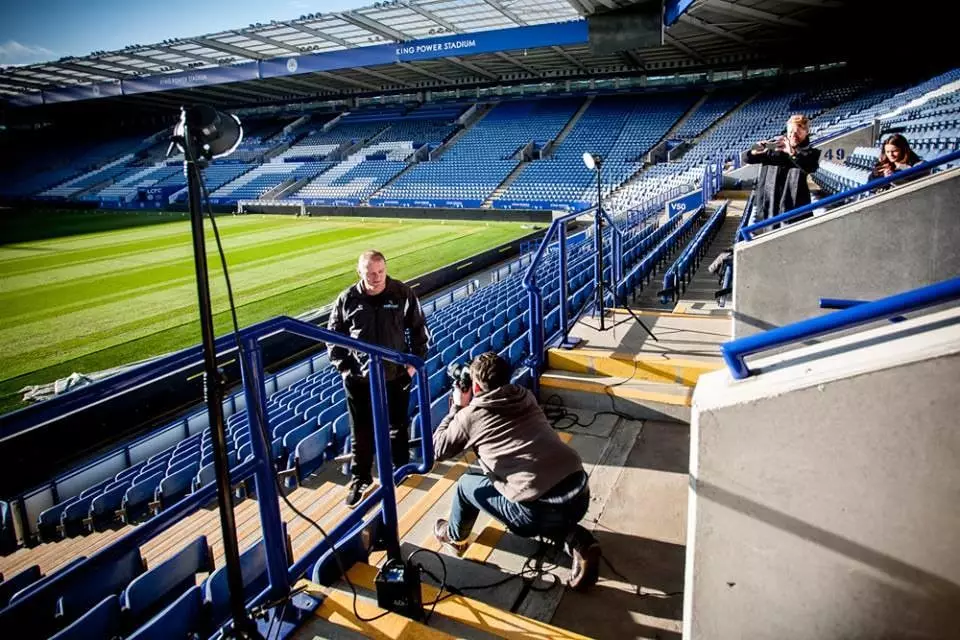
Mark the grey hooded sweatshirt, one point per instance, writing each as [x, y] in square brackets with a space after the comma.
[516, 446]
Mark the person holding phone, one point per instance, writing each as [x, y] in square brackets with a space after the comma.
[786, 162]
[896, 155]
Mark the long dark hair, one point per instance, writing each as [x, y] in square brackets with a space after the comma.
[901, 144]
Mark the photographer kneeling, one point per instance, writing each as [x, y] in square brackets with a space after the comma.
[532, 482]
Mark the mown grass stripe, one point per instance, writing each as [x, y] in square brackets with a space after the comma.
[129, 293]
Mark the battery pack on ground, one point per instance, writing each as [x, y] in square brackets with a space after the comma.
[398, 589]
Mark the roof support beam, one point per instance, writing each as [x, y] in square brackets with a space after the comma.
[381, 76]
[196, 57]
[517, 63]
[633, 60]
[714, 29]
[506, 12]
[270, 41]
[316, 33]
[765, 16]
[21, 81]
[123, 66]
[371, 25]
[823, 4]
[424, 72]
[345, 80]
[227, 48]
[156, 61]
[302, 81]
[569, 58]
[583, 7]
[103, 73]
[471, 67]
[673, 42]
[449, 26]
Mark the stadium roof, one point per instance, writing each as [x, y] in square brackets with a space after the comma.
[709, 34]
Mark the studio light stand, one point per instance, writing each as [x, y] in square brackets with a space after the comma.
[203, 133]
[594, 163]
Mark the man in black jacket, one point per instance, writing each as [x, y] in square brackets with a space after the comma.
[382, 311]
[786, 162]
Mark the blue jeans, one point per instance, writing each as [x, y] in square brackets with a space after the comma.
[475, 492]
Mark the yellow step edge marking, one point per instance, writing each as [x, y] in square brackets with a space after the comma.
[474, 613]
[676, 314]
[409, 519]
[682, 400]
[623, 365]
[337, 608]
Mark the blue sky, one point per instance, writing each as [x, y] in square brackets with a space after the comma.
[40, 30]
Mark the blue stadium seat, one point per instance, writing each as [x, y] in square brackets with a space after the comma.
[291, 440]
[103, 621]
[104, 508]
[18, 582]
[330, 414]
[481, 347]
[498, 339]
[184, 618]
[449, 354]
[208, 474]
[137, 499]
[438, 382]
[439, 408]
[341, 429]
[310, 452]
[253, 568]
[176, 485]
[48, 522]
[150, 593]
[71, 520]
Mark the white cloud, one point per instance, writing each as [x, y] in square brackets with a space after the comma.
[15, 53]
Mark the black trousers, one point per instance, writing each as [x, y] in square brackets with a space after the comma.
[360, 410]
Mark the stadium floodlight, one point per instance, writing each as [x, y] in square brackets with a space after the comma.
[592, 161]
[203, 133]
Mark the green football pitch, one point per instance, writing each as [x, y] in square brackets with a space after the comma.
[85, 291]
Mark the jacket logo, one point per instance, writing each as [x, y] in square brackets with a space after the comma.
[391, 305]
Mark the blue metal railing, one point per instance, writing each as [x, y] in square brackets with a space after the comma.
[675, 277]
[735, 351]
[746, 233]
[712, 182]
[747, 216]
[279, 571]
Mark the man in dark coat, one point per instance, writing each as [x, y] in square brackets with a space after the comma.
[386, 312]
[786, 162]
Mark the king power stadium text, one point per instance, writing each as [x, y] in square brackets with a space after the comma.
[445, 46]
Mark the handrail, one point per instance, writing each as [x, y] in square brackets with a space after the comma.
[746, 233]
[735, 351]
[280, 574]
[747, 215]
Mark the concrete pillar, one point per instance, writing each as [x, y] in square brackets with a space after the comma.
[824, 492]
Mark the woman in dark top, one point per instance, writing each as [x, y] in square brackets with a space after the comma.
[896, 155]
[787, 161]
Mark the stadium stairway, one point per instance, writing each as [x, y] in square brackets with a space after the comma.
[632, 465]
[623, 369]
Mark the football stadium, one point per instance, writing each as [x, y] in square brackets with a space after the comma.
[485, 318]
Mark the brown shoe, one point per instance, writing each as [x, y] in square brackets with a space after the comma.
[586, 566]
[441, 531]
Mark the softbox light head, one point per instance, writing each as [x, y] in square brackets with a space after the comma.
[592, 160]
[210, 133]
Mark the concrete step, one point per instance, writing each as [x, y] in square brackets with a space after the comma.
[662, 368]
[641, 399]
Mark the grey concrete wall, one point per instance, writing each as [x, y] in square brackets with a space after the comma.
[840, 148]
[898, 240]
[824, 493]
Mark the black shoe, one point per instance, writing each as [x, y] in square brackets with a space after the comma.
[357, 490]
